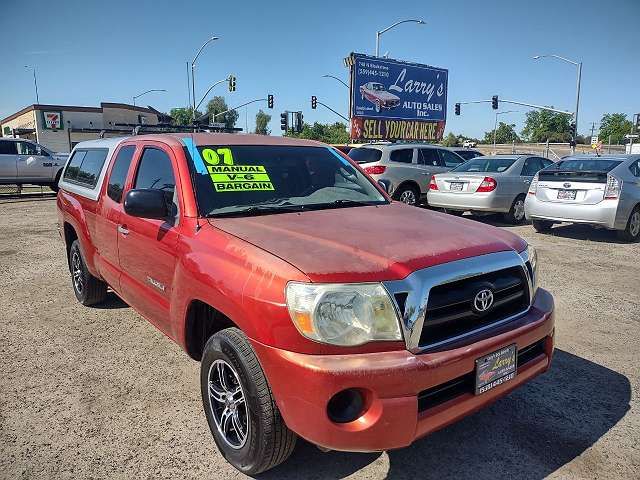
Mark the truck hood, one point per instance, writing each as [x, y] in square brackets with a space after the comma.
[372, 243]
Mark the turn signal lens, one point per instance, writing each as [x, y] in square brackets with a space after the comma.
[432, 184]
[613, 188]
[488, 185]
[375, 169]
[533, 186]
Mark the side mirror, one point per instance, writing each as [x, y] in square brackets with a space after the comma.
[385, 184]
[146, 203]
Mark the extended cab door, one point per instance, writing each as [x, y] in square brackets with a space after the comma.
[34, 164]
[108, 220]
[147, 247]
[8, 160]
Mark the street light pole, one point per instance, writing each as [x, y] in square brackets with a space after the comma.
[579, 66]
[411, 20]
[335, 78]
[148, 91]
[193, 81]
[35, 82]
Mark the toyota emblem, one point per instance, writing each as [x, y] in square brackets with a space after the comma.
[566, 185]
[483, 300]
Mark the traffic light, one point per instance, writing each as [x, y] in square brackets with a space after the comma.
[494, 102]
[457, 109]
[314, 102]
[270, 101]
[572, 129]
[284, 121]
[299, 123]
[637, 122]
[232, 83]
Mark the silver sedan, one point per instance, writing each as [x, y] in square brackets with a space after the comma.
[487, 184]
[602, 191]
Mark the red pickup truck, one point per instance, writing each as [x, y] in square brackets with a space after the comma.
[316, 306]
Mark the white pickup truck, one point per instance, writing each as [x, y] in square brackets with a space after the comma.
[23, 161]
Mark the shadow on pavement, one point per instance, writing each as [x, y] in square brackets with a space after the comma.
[112, 302]
[528, 434]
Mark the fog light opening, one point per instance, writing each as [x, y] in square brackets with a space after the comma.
[346, 406]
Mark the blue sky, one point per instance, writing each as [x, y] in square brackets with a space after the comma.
[89, 51]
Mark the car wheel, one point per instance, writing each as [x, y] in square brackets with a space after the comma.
[54, 185]
[632, 232]
[408, 195]
[515, 216]
[542, 226]
[361, 94]
[88, 289]
[240, 409]
[378, 106]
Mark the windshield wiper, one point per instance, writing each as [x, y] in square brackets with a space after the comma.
[256, 210]
[342, 203]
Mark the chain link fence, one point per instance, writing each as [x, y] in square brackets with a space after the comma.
[12, 191]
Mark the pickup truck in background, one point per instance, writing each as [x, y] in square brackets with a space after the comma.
[23, 161]
[316, 306]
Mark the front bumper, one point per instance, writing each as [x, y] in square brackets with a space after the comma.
[603, 213]
[303, 384]
[481, 202]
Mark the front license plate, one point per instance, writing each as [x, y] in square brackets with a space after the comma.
[566, 194]
[495, 369]
[456, 186]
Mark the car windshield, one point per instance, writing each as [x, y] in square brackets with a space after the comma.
[377, 86]
[236, 180]
[485, 165]
[365, 155]
[585, 165]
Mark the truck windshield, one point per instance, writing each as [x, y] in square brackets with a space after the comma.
[485, 165]
[237, 180]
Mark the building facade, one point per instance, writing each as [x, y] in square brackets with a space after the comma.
[61, 127]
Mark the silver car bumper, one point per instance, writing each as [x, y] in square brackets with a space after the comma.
[603, 213]
[481, 202]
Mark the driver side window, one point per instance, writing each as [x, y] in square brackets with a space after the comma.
[155, 171]
[26, 148]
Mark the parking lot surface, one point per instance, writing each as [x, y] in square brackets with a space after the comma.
[100, 393]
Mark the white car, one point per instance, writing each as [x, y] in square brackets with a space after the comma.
[23, 161]
[469, 144]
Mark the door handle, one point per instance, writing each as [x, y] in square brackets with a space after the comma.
[123, 230]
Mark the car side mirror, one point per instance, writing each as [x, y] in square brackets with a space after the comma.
[146, 203]
[385, 184]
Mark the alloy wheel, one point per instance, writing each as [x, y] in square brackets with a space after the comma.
[408, 197]
[76, 271]
[518, 210]
[634, 224]
[228, 404]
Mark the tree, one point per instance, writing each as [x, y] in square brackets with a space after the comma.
[505, 133]
[218, 105]
[262, 123]
[324, 132]
[182, 116]
[450, 140]
[543, 125]
[616, 125]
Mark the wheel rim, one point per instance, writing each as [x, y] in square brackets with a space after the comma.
[634, 224]
[228, 404]
[408, 197]
[76, 271]
[518, 210]
[377, 106]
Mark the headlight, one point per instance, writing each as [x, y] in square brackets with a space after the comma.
[530, 258]
[343, 314]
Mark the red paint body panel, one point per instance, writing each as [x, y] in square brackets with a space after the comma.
[241, 267]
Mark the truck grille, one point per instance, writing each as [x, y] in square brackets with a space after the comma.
[450, 309]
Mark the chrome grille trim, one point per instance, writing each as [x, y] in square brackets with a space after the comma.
[418, 285]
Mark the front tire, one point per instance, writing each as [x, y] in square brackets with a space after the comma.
[541, 226]
[632, 231]
[239, 405]
[89, 290]
[515, 216]
[378, 107]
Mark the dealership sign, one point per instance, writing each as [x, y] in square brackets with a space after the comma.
[394, 100]
[52, 120]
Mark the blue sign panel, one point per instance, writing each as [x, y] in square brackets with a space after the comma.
[390, 89]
